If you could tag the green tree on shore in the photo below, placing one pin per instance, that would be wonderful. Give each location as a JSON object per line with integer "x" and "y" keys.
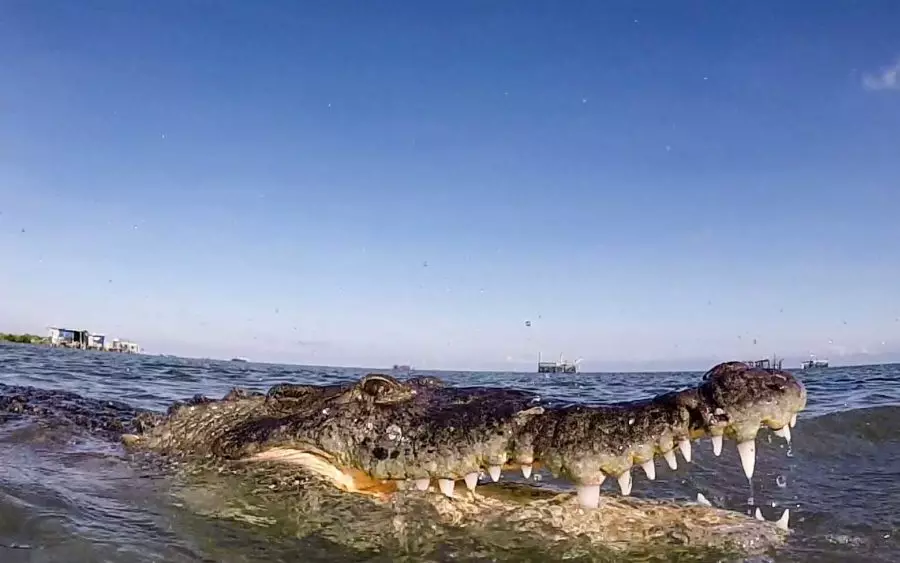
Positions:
{"x": 22, "y": 338}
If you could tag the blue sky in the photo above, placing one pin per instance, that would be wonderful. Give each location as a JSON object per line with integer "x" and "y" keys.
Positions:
{"x": 651, "y": 185}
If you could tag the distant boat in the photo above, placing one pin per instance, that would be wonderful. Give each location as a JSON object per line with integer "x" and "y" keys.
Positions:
{"x": 814, "y": 363}
{"x": 240, "y": 359}
{"x": 402, "y": 368}
{"x": 561, "y": 366}
{"x": 766, "y": 363}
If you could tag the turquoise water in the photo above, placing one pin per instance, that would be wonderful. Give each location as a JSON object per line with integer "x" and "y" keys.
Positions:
{"x": 76, "y": 500}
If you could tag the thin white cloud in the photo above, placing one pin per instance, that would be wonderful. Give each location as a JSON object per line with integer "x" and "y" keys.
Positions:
{"x": 888, "y": 78}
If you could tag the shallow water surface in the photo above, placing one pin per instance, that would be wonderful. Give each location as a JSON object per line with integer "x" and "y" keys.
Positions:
{"x": 76, "y": 498}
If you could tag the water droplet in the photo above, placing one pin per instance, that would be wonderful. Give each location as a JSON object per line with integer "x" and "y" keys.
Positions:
{"x": 781, "y": 481}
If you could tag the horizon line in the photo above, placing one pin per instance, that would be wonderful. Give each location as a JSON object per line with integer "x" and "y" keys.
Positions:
{"x": 446, "y": 370}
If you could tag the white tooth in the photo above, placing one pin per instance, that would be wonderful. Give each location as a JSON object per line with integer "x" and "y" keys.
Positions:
{"x": 471, "y": 481}
{"x": 784, "y": 432}
{"x": 526, "y": 471}
{"x": 703, "y": 500}
{"x": 793, "y": 420}
{"x": 494, "y": 472}
{"x": 588, "y": 495}
{"x": 783, "y": 521}
{"x": 422, "y": 484}
{"x": 747, "y": 451}
{"x": 625, "y": 483}
{"x": 670, "y": 459}
{"x": 685, "y": 446}
{"x": 447, "y": 486}
{"x": 717, "y": 445}
{"x": 759, "y": 515}
{"x": 650, "y": 469}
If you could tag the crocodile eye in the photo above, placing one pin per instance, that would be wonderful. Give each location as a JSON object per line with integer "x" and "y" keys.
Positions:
{"x": 384, "y": 388}
{"x": 378, "y": 385}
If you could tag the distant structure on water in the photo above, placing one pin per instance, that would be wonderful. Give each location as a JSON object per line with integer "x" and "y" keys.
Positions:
{"x": 240, "y": 359}
{"x": 86, "y": 340}
{"x": 766, "y": 363}
{"x": 813, "y": 362}
{"x": 401, "y": 368}
{"x": 560, "y": 366}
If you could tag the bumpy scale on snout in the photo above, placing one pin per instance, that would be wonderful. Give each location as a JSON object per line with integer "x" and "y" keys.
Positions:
{"x": 737, "y": 400}
{"x": 587, "y": 444}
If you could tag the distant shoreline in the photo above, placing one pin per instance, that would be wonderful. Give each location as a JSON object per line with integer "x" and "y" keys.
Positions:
{"x": 35, "y": 340}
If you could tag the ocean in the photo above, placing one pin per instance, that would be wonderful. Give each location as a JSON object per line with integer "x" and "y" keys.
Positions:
{"x": 78, "y": 500}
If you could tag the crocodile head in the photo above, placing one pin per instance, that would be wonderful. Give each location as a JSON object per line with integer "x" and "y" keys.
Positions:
{"x": 418, "y": 439}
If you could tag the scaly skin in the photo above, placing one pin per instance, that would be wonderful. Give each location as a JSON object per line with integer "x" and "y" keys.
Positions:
{"x": 391, "y": 430}
{"x": 386, "y": 438}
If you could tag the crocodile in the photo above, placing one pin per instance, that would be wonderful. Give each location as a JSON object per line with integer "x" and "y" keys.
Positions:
{"x": 402, "y": 460}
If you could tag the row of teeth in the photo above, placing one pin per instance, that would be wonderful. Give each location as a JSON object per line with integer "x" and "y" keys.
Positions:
{"x": 447, "y": 486}
{"x": 589, "y": 495}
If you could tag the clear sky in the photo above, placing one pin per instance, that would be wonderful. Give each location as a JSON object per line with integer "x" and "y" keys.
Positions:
{"x": 658, "y": 184}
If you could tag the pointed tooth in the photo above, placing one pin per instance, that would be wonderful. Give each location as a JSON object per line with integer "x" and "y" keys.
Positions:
{"x": 422, "y": 484}
{"x": 588, "y": 495}
{"x": 526, "y": 471}
{"x": 703, "y": 500}
{"x": 747, "y": 451}
{"x": 494, "y": 472}
{"x": 625, "y": 483}
{"x": 472, "y": 480}
{"x": 717, "y": 445}
{"x": 793, "y": 420}
{"x": 758, "y": 515}
{"x": 447, "y": 486}
{"x": 784, "y": 432}
{"x": 649, "y": 468}
{"x": 670, "y": 459}
{"x": 783, "y": 521}
{"x": 685, "y": 446}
